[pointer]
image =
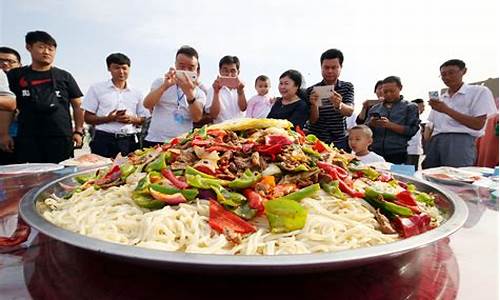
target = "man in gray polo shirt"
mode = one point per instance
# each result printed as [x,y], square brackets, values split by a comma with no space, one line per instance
[457,119]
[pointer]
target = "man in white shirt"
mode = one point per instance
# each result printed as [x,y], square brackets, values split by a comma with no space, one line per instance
[115,109]
[457,119]
[415,148]
[7,98]
[226,98]
[176,101]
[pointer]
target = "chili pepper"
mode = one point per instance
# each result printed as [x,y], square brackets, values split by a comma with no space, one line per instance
[167,173]
[113,174]
[228,198]
[334,171]
[319,146]
[302,193]
[272,150]
[277,139]
[396,209]
[173,199]
[221,219]
[246,180]
[189,194]
[301,168]
[285,215]
[200,182]
[332,188]
[254,200]
[192,171]
[158,164]
[371,193]
[311,152]
[302,135]
[349,191]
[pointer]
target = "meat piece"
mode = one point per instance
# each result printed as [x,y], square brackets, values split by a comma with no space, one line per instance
[385,225]
[255,158]
[242,163]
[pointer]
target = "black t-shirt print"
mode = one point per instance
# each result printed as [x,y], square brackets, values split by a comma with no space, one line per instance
[25,83]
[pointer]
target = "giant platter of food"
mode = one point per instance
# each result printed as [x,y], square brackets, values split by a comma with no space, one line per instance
[252,193]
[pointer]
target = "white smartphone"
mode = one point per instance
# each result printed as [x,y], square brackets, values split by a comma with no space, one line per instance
[324,92]
[230,82]
[188,74]
[434,95]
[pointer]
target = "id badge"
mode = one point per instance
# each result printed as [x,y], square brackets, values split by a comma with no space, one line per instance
[179,117]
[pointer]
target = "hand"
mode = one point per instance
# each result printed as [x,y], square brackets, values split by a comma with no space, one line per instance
[125,119]
[366,104]
[6,143]
[77,140]
[336,99]
[241,86]
[438,105]
[112,116]
[217,85]
[187,86]
[314,99]
[169,79]
[383,122]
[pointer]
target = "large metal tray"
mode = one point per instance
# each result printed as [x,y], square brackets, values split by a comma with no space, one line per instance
[456,217]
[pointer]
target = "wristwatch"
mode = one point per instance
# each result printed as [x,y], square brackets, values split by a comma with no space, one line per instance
[79,133]
[191,101]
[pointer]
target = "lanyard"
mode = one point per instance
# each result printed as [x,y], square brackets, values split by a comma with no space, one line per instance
[179,96]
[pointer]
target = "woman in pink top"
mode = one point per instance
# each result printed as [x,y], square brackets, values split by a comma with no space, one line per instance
[260,105]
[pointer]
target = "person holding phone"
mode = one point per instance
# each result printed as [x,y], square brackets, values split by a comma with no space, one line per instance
[115,109]
[328,116]
[457,119]
[393,122]
[176,101]
[226,98]
[361,118]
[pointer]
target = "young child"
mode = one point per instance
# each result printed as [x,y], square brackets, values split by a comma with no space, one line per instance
[260,105]
[360,137]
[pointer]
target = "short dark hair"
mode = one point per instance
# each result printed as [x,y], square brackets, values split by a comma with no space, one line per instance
[8,50]
[453,62]
[379,83]
[298,79]
[261,78]
[188,51]
[393,79]
[332,54]
[40,36]
[418,100]
[117,58]
[229,60]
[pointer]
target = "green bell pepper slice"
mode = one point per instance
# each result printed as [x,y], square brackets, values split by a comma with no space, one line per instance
[333,189]
[145,200]
[192,171]
[308,191]
[311,152]
[158,164]
[228,198]
[245,211]
[189,194]
[200,182]
[245,181]
[126,169]
[285,215]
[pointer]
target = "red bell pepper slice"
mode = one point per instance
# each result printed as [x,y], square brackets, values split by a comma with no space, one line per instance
[405,198]
[198,141]
[349,191]
[334,171]
[113,174]
[169,199]
[172,143]
[174,180]
[318,146]
[413,225]
[269,150]
[254,200]
[221,219]
[246,148]
[277,139]
[217,133]
[302,135]
[222,147]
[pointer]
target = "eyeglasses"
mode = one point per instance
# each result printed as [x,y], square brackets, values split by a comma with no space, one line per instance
[8,61]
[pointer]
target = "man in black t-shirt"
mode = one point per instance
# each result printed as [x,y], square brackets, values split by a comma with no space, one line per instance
[327,118]
[44,94]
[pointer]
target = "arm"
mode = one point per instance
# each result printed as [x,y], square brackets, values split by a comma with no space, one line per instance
[6,142]
[314,111]
[476,123]
[189,88]
[78,119]
[410,127]
[154,96]
[7,103]
[215,101]
[242,100]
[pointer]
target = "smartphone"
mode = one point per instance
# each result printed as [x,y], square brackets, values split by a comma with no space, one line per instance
[375,115]
[121,111]
[434,95]
[230,82]
[325,91]
[188,74]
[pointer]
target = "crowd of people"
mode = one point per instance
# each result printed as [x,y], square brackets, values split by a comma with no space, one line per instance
[43,110]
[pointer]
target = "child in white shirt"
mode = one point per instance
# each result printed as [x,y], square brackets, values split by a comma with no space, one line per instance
[360,137]
[260,105]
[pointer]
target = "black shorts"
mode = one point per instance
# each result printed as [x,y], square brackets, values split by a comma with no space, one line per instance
[52,149]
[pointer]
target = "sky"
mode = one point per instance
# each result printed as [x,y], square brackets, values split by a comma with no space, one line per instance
[409,39]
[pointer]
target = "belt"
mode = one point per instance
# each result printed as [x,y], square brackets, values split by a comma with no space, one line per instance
[116,135]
